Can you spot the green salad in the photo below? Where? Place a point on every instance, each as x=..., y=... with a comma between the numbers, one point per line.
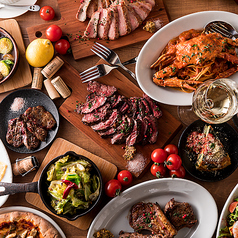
x=231, y=219
x=72, y=187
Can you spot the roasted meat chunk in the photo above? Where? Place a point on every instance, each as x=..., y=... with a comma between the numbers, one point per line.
x=180, y=214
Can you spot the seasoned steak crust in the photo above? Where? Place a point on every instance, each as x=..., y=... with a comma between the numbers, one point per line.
x=180, y=214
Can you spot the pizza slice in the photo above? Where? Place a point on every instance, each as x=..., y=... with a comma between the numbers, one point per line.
x=213, y=156
x=26, y=225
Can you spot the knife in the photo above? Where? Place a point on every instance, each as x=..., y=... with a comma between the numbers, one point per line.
x=33, y=8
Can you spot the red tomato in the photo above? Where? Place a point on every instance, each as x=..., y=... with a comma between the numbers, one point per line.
x=159, y=155
x=232, y=206
x=47, y=13
x=158, y=170
x=62, y=46
x=173, y=162
x=179, y=173
x=113, y=188
x=125, y=177
x=171, y=149
x=53, y=33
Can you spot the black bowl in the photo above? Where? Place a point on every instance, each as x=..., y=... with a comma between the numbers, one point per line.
x=229, y=138
x=15, y=53
x=43, y=187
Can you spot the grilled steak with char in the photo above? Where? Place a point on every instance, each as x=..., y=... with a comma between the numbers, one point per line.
x=149, y=216
x=180, y=214
x=123, y=234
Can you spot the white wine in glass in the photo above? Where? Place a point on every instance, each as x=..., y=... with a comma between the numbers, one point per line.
x=216, y=101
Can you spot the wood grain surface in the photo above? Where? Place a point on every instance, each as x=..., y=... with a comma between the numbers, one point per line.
x=59, y=147
x=168, y=125
x=73, y=28
x=22, y=76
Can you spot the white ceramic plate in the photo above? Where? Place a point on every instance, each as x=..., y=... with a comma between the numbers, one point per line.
x=114, y=216
x=8, y=175
x=11, y=13
x=36, y=212
x=151, y=50
x=225, y=212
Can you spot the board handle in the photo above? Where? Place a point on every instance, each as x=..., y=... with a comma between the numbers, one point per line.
x=12, y=188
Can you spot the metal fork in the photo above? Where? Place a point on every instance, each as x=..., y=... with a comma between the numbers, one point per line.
x=95, y=72
x=224, y=28
x=110, y=56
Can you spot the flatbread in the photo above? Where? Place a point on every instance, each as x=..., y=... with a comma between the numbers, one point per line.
x=26, y=224
x=3, y=168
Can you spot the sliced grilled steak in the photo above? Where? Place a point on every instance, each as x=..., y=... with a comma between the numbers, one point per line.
x=104, y=23
x=154, y=106
x=153, y=129
x=118, y=138
x=113, y=32
x=82, y=11
x=134, y=106
x=125, y=107
x=97, y=116
x=92, y=27
x=124, y=24
x=144, y=131
x=93, y=7
x=132, y=139
x=134, y=18
x=92, y=105
x=141, y=108
x=101, y=89
x=149, y=216
x=110, y=122
x=15, y=132
x=145, y=4
x=180, y=214
x=152, y=2
x=39, y=132
x=117, y=100
x=107, y=133
x=123, y=234
x=40, y=117
x=140, y=10
x=147, y=106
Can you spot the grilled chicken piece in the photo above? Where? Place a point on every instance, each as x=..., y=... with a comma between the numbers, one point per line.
x=92, y=27
x=113, y=32
x=93, y=7
x=140, y=10
x=82, y=11
x=124, y=24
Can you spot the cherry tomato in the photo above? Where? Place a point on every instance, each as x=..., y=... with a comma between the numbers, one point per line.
x=62, y=46
x=179, y=173
x=171, y=149
x=158, y=170
x=125, y=177
x=47, y=13
x=232, y=206
x=173, y=162
x=53, y=33
x=159, y=155
x=113, y=188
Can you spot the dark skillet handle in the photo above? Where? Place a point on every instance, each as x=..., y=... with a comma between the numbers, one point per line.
x=12, y=188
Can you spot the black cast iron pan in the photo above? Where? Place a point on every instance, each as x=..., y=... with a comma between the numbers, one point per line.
x=41, y=187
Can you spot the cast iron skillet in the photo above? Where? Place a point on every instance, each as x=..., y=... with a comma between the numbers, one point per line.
x=41, y=187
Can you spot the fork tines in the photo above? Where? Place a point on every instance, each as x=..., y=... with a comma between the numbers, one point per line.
x=100, y=50
x=220, y=28
x=90, y=74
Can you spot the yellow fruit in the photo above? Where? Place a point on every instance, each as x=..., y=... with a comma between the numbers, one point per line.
x=39, y=52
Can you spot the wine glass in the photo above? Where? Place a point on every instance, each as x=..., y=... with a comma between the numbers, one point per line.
x=214, y=101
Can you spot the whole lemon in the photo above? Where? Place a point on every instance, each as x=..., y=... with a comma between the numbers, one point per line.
x=39, y=52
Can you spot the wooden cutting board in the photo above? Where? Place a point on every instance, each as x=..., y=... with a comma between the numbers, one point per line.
x=168, y=125
x=72, y=28
x=22, y=76
x=59, y=147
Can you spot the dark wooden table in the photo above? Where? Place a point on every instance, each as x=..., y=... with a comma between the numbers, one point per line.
x=176, y=8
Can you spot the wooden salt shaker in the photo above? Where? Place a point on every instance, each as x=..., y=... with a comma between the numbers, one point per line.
x=37, y=79
x=61, y=87
x=53, y=94
x=25, y=165
x=51, y=68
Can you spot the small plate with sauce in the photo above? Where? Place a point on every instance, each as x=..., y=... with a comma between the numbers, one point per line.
x=228, y=137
